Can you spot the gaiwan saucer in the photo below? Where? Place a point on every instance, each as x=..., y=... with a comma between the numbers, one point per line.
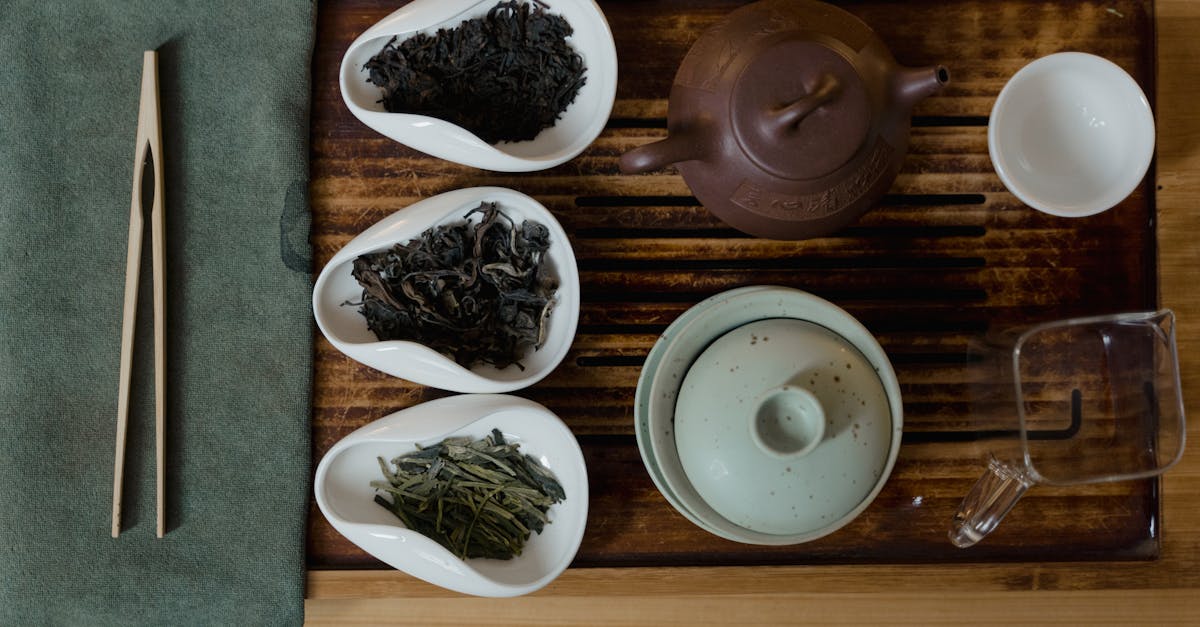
x=766, y=379
x=579, y=125
x=344, y=494
x=346, y=328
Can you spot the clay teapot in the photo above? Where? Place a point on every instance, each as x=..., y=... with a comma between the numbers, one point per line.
x=789, y=119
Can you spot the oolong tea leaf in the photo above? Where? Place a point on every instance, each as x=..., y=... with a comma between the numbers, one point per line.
x=504, y=76
x=478, y=292
x=477, y=498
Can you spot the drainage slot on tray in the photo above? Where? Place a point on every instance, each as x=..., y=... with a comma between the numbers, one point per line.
x=636, y=201
x=840, y=296
x=925, y=325
x=926, y=121
x=800, y=262
x=905, y=359
x=673, y=200
x=931, y=200
x=636, y=123
x=918, y=121
x=622, y=329
x=891, y=232
x=610, y=361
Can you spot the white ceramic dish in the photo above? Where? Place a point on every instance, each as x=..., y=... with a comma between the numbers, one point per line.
x=661, y=379
x=346, y=498
x=1071, y=134
x=347, y=330
x=579, y=125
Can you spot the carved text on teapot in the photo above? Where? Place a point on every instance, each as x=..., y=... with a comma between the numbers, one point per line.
x=764, y=201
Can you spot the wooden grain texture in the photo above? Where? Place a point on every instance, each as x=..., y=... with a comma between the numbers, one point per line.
x=1032, y=590
x=751, y=607
x=947, y=258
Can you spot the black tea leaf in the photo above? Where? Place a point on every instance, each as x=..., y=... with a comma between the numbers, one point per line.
x=504, y=76
x=476, y=292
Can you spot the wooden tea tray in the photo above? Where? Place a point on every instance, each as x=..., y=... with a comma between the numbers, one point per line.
x=946, y=259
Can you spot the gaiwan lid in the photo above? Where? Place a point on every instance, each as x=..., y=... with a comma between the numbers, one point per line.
x=784, y=427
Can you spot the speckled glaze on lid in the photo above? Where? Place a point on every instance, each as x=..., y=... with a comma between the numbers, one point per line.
x=783, y=427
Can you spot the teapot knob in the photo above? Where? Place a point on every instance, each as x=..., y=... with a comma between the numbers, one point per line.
x=801, y=109
x=788, y=117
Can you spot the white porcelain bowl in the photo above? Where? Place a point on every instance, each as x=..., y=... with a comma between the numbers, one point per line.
x=1071, y=134
x=669, y=365
x=347, y=330
x=342, y=486
x=579, y=125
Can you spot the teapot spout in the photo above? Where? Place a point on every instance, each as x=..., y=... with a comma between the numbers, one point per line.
x=911, y=85
x=988, y=502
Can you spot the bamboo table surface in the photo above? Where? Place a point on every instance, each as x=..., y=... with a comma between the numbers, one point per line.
x=896, y=592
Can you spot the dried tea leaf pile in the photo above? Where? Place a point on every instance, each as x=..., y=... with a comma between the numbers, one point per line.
x=477, y=498
x=504, y=76
x=479, y=293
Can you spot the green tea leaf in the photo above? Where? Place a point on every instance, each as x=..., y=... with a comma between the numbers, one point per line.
x=478, y=498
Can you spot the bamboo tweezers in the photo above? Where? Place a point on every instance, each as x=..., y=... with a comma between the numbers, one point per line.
x=147, y=155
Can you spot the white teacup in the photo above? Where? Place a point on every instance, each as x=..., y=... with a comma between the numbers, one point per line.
x=1071, y=134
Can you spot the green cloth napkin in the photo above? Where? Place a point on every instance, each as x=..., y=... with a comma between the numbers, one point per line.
x=234, y=85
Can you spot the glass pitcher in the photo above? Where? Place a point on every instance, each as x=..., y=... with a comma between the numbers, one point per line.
x=1124, y=418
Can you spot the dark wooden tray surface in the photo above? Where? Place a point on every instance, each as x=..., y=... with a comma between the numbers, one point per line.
x=947, y=257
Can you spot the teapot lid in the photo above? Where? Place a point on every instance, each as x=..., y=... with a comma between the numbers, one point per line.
x=799, y=108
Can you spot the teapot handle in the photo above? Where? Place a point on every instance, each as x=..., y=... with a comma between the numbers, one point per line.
x=989, y=500
x=660, y=154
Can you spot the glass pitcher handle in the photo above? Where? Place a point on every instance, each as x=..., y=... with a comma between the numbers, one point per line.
x=992, y=496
